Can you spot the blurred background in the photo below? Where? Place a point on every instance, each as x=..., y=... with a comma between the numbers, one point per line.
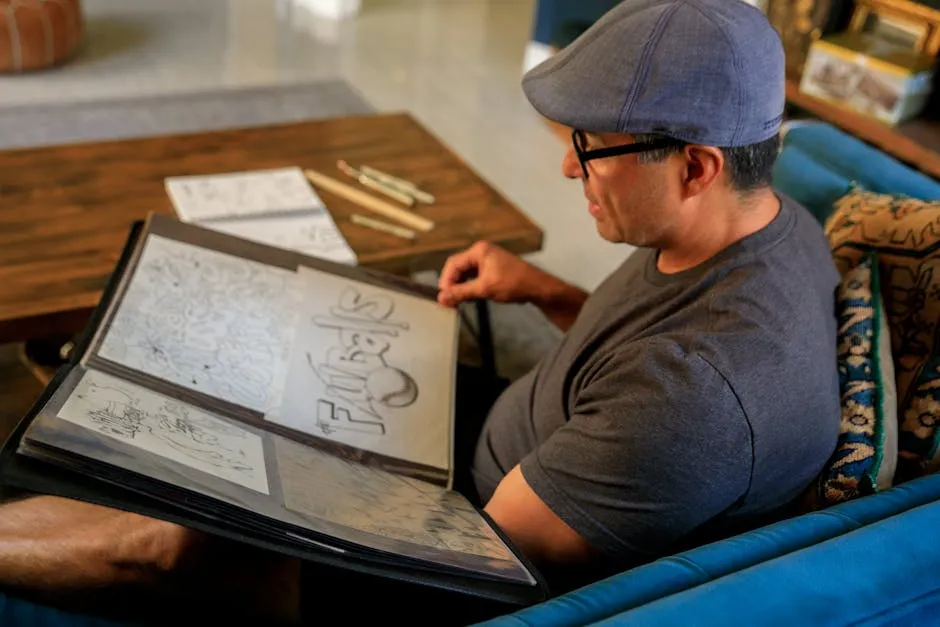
x=866, y=65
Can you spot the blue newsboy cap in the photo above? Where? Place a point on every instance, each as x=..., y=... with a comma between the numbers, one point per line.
x=703, y=71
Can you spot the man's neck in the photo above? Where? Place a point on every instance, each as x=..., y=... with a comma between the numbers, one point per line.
x=716, y=226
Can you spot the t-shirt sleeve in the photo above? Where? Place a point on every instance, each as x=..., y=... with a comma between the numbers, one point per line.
x=656, y=445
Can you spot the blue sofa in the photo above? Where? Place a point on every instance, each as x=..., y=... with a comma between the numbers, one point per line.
x=874, y=560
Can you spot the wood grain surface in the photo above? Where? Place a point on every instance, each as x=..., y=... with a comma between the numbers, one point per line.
x=65, y=211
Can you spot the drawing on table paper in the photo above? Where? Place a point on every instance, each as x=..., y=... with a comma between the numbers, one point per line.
x=167, y=428
x=207, y=321
x=312, y=234
x=356, y=372
x=241, y=194
x=321, y=238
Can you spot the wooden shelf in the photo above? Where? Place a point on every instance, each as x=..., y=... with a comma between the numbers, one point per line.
x=916, y=142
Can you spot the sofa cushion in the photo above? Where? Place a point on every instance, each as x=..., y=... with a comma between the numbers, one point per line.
x=865, y=458
x=819, y=163
x=804, y=179
x=905, y=232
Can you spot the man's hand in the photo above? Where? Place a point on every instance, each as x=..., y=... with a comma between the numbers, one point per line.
x=487, y=272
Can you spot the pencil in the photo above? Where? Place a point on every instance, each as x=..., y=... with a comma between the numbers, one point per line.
x=400, y=184
x=372, y=183
x=369, y=202
x=384, y=227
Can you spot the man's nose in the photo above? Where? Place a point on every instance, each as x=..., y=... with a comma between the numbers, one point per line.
x=570, y=165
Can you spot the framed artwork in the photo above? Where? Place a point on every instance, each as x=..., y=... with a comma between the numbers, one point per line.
x=914, y=25
x=801, y=22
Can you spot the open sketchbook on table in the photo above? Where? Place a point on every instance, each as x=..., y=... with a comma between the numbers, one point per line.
x=275, y=398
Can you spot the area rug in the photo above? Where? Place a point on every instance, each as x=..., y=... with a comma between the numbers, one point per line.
x=522, y=335
x=25, y=126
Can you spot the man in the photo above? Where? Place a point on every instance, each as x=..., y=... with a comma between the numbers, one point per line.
x=695, y=392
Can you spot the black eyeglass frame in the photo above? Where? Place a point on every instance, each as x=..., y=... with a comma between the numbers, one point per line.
x=615, y=151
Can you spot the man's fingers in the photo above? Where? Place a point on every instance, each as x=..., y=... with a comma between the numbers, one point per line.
x=461, y=292
x=457, y=266
x=445, y=299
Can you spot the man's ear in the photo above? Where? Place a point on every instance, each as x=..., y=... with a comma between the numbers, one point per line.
x=703, y=167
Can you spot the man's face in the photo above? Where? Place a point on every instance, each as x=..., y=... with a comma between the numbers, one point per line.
x=631, y=202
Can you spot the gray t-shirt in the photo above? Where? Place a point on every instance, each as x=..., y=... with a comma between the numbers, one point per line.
x=679, y=403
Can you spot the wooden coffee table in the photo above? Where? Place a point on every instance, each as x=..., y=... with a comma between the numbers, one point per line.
x=65, y=211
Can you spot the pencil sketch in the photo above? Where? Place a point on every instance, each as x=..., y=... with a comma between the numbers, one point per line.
x=382, y=504
x=241, y=194
x=372, y=368
x=330, y=418
x=167, y=428
x=356, y=371
x=207, y=321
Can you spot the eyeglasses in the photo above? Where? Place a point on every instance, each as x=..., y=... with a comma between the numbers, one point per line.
x=584, y=155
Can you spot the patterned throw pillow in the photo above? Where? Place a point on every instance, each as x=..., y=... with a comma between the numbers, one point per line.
x=906, y=235
x=865, y=459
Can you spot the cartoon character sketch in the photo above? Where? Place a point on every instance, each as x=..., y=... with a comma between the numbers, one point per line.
x=115, y=412
x=175, y=427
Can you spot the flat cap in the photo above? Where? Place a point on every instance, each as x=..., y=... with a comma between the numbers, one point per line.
x=703, y=71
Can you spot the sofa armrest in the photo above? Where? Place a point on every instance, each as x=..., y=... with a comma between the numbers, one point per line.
x=673, y=575
x=885, y=572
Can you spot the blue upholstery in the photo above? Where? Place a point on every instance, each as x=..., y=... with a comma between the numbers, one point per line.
x=820, y=163
x=15, y=612
x=826, y=584
x=681, y=572
x=801, y=178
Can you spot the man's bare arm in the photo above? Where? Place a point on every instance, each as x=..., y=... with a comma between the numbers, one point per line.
x=486, y=271
x=561, y=303
x=59, y=550
x=538, y=532
x=59, y=545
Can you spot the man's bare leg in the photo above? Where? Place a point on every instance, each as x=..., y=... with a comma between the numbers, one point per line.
x=53, y=548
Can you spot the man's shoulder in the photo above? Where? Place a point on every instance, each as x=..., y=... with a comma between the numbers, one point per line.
x=666, y=370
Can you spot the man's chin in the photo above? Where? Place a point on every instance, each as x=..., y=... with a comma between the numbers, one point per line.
x=607, y=233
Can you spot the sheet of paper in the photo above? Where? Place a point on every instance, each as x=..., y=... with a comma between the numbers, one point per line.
x=207, y=321
x=274, y=207
x=313, y=234
x=372, y=368
x=239, y=194
x=167, y=428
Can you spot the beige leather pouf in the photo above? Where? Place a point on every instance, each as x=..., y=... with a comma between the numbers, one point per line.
x=37, y=34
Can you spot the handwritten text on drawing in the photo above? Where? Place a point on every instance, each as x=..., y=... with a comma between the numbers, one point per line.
x=356, y=372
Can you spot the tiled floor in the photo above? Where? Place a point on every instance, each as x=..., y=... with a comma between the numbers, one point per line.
x=454, y=64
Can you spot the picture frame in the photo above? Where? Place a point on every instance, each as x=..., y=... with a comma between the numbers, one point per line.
x=914, y=24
